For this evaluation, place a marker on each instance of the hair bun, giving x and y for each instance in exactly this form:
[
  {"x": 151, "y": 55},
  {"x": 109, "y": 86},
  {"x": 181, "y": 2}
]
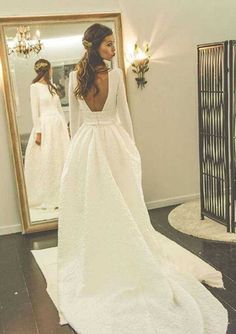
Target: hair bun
[{"x": 87, "y": 44}]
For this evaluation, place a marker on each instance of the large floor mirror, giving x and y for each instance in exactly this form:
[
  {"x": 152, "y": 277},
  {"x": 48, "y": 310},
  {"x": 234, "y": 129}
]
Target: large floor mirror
[{"x": 59, "y": 40}]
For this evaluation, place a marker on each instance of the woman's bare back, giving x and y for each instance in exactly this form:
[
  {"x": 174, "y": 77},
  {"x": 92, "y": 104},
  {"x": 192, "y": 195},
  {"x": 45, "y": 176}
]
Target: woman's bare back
[{"x": 96, "y": 103}]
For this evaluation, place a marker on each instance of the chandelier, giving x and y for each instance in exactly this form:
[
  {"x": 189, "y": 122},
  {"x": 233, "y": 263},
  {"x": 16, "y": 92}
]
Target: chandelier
[{"x": 24, "y": 45}]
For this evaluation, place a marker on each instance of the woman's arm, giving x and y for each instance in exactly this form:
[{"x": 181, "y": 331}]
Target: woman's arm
[
  {"x": 34, "y": 101},
  {"x": 74, "y": 109},
  {"x": 122, "y": 106}
]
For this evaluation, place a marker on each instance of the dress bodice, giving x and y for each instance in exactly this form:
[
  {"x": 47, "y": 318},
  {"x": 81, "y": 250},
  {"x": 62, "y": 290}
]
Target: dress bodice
[
  {"x": 110, "y": 100},
  {"x": 108, "y": 114},
  {"x": 115, "y": 108},
  {"x": 43, "y": 104}
]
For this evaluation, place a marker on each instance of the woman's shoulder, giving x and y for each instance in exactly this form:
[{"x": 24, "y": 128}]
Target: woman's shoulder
[
  {"x": 118, "y": 69},
  {"x": 73, "y": 78},
  {"x": 73, "y": 73},
  {"x": 34, "y": 87},
  {"x": 116, "y": 73},
  {"x": 115, "y": 69},
  {"x": 119, "y": 72}
]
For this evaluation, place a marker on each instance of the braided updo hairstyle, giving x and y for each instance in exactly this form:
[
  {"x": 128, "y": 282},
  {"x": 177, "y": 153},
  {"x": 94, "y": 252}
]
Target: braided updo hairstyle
[
  {"x": 42, "y": 67},
  {"x": 86, "y": 67}
]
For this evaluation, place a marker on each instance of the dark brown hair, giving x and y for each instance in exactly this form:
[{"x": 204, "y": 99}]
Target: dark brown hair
[
  {"x": 86, "y": 71},
  {"x": 42, "y": 67}
]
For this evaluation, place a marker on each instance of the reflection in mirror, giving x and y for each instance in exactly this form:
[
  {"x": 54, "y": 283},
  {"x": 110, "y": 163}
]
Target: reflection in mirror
[
  {"x": 40, "y": 93},
  {"x": 47, "y": 145}
]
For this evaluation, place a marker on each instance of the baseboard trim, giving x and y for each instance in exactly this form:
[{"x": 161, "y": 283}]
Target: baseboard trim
[
  {"x": 4, "y": 230},
  {"x": 171, "y": 201}
]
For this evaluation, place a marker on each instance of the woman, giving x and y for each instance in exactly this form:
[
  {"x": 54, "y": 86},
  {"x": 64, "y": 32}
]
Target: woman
[
  {"x": 116, "y": 274},
  {"x": 48, "y": 142}
]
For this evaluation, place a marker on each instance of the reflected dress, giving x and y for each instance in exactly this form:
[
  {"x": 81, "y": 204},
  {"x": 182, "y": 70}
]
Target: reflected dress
[
  {"x": 44, "y": 163},
  {"x": 115, "y": 273}
]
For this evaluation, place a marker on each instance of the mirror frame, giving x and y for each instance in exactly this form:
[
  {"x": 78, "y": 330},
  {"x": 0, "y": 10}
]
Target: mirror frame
[{"x": 10, "y": 107}]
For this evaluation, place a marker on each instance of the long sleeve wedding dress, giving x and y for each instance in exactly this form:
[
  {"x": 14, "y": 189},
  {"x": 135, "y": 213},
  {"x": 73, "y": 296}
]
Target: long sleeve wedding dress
[
  {"x": 116, "y": 274},
  {"x": 44, "y": 163}
]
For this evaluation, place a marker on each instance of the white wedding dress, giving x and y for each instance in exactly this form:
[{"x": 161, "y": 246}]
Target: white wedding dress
[
  {"x": 115, "y": 273},
  {"x": 44, "y": 163}
]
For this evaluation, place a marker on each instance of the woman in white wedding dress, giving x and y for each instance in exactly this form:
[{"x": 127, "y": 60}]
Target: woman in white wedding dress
[
  {"x": 116, "y": 274},
  {"x": 48, "y": 142}
]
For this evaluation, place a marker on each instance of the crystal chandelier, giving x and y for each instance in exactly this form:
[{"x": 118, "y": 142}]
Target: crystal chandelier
[{"x": 24, "y": 45}]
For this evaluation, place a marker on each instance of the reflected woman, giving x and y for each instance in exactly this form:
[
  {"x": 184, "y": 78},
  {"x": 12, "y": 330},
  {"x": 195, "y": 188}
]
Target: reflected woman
[{"x": 48, "y": 142}]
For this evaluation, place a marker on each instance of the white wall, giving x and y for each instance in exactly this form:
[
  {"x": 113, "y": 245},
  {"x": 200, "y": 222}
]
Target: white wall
[
  {"x": 164, "y": 113},
  {"x": 9, "y": 211}
]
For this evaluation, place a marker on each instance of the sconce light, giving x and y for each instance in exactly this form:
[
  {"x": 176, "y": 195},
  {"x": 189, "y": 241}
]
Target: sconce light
[{"x": 139, "y": 60}]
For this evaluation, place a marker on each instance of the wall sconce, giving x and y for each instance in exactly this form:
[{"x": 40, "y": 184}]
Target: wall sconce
[{"x": 139, "y": 60}]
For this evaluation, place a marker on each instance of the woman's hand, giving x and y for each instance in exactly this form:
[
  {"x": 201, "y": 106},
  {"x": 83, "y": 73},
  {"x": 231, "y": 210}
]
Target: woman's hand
[{"x": 38, "y": 138}]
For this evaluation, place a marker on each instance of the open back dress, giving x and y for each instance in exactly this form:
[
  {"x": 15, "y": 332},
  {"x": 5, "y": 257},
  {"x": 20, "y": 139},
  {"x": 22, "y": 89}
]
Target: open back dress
[{"x": 116, "y": 273}]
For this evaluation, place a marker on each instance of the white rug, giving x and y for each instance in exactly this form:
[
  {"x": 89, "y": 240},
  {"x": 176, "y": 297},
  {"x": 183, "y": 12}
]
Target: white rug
[{"x": 186, "y": 218}]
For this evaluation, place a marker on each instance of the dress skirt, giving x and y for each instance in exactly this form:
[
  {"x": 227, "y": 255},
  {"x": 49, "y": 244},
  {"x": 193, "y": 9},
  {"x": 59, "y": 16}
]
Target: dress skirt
[
  {"x": 116, "y": 274},
  {"x": 44, "y": 163}
]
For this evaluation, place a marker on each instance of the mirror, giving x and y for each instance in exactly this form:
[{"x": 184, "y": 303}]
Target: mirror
[{"x": 57, "y": 39}]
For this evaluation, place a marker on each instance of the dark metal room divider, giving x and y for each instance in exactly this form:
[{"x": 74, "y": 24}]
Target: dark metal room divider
[{"x": 216, "y": 117}]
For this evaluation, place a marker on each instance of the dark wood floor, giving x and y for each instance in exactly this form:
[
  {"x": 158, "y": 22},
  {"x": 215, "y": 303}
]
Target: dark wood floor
[{"x": 26, "y": 308}]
